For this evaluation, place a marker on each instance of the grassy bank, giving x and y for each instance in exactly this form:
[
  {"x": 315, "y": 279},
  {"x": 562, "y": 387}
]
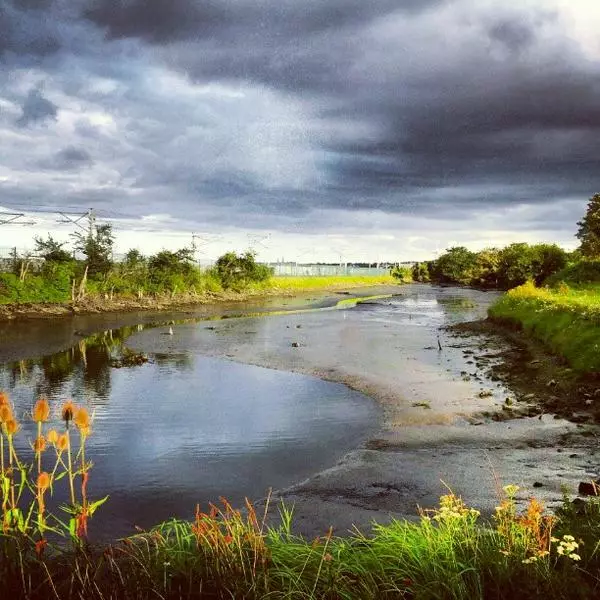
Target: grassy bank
[
  {"x": 24, "y": 305},
  {"x": 226, "y": 553},
  {"x": 299, "y": 284},
  {"x": 566, "y": 319}
]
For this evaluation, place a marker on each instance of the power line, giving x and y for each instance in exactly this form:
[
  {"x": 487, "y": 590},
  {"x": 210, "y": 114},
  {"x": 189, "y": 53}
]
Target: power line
[{"x": 7, "y": 218}]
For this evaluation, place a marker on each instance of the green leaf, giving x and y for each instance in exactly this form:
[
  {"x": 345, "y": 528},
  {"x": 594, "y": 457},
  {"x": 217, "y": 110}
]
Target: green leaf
[{"x": 94, "y": 505}]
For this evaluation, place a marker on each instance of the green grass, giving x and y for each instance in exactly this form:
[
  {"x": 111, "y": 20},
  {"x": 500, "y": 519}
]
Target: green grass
[
  {"x": 298, "y": 284},
  {"x": 38, "y": 289},
  {"x": 567, "y": 320},
  {"x": 226, "y": 553}
]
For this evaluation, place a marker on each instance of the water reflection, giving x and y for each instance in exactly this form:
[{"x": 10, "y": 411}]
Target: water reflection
[{"x": 181, "y": 429}]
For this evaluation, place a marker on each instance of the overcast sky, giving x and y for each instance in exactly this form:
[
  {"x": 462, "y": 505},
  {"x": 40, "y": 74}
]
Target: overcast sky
[{"x": 371, "y": 129}]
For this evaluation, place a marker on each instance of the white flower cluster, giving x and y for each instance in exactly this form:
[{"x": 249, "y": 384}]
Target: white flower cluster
[{"x": 567, "y": 546}]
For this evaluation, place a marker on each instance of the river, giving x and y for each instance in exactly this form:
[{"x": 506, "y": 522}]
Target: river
[{"x": 352, "y": 412}]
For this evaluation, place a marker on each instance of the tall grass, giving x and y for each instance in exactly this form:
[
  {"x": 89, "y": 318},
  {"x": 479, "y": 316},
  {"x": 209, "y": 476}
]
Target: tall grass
[
  {"x": 567, "y": 320},
  {"x": 294, "y": 284}
]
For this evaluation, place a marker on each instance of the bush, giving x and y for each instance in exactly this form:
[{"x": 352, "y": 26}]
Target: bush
[{"x": 235, "y": 271}]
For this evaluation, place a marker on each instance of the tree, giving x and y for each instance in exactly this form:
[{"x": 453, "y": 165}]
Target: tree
[
  {"x": 236, "y": 271},
  {"x": 547, "y": 260},
  {"x": 51, "y": 250},
  {"x": 486, "y": 267},
  {"x": 516, "y": 265},
  {"x": 166, "y": 264},
  {"x": 456, "y": 265},
  {"x": 589, "y": 229},
  {"x": 97, "y": 247}
]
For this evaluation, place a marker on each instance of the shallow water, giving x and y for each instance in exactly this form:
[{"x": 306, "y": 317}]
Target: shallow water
[{"x": 185, "y": 429}]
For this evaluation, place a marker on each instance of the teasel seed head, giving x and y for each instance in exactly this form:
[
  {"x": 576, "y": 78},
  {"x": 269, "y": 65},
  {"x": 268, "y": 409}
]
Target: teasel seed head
[{"x": 41, "y": 411}]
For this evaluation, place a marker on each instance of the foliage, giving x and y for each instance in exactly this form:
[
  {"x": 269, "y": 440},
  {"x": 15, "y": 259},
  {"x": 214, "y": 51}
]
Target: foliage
[
  {"x": 505, "y": 268},
  {"x": 404, "y": 274},
  {"x": 487, "y": 266},
  {"x": 96, "y": 246},
  {"x": 236, "y": 271},
  {"x": 567, "y": 320},
  {"x": 420, "y": 272},
  {"x": 52, "y": 285},
  {"x": 27, "y": 488},
  {"x": 227, "y": 553},
  {"x": 577, "y": 274},
  {"x": 589, "y": 229},
  {"x": 298, "y": 284},
  {"x": 456, "y": 265},
  {"x": 51, "y": 250}
]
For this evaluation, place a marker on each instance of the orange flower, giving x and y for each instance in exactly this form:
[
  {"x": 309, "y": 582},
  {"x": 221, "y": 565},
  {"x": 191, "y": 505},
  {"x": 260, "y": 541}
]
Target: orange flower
[
  {"x": 52, "y": 436},
  {"x": 86, "y": 431},
  {"x": 63, "y": 442},
  {"x": 40, "y": 444},
  {"x": 43, "y": 481},
  {"x": 11, "y": 427},
  {"x": 68, "y": 410},
  {"x": 3, "y": 398},
  {"x": 5, "y": 413},
  {"x": 41, "y": 411},
  {"x": 82, "y": 419}
]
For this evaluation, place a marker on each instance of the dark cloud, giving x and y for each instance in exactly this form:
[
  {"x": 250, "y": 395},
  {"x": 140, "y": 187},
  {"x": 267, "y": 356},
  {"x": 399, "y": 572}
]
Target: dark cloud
[
  {"x": 70, "y": 158},
  {"x": 36, "y": 109},
  {"x": 160, "y": 22},
  {"x": 421, "y": 107},
  {"x": 25, "y": 29}
]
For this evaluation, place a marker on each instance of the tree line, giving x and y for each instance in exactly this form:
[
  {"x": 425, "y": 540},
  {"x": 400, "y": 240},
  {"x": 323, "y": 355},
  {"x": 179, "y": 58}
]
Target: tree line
[
  {"x": 61, "y": 276},
  {"x": 517, "y": 263}
]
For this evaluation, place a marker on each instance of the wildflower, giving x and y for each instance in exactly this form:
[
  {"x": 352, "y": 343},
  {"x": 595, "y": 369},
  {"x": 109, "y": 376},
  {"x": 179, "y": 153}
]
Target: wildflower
[
  {"x": 63, "y": 442},
  {"x": 82, "y": 419},
  {"x": 67, "y": 411},
  {"x": 511, "y": 490},
  {"x": 3, "y": 398},
  {"x": 11, "y": 427},
  {"x": 40, "y": 444},
  {"x": 41, "y": 411},
  {"x": 52, "y": 436},
  {"x": 43, "y": 481},
  {"x": 574, "y": 556},
  {"x": 39, "y": 547},
  {"x": 86, "y": 431},
  {"x": 5, "y": 413}
]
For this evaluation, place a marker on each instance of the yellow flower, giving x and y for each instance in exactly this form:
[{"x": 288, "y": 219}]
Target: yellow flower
[
  {"x": 3, "y": 398},
  {"x": 5, "y": 413},
  {"x": 11, "y": 427},
  {"x": 41, "y": 411},
  {"x": 82, "y": 419},
  {"x": 63, "y": 442},
  {"x": 40, "y": 444},
  {"x": 52, "y": 436},
  {"x": 43, "y": 481}
]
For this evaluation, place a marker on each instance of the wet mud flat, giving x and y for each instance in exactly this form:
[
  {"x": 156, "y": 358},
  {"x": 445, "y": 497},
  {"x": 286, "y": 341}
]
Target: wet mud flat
[{"x": 452, "y": 417}]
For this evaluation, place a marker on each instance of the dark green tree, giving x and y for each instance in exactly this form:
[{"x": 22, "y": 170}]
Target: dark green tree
[
  {"x": 52, "y": 250},
  {"x": 589, "y": 229},
  {"x": 96, "y": 246},
  {"x": 236, "y": 271},
  {"x": 547, "y": 260},
  {"x": 456, "y": 265}
]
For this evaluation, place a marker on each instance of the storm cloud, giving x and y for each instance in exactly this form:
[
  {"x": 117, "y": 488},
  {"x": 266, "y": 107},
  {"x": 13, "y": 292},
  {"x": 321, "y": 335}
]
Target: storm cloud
[{"x": 303, "y": 116}]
